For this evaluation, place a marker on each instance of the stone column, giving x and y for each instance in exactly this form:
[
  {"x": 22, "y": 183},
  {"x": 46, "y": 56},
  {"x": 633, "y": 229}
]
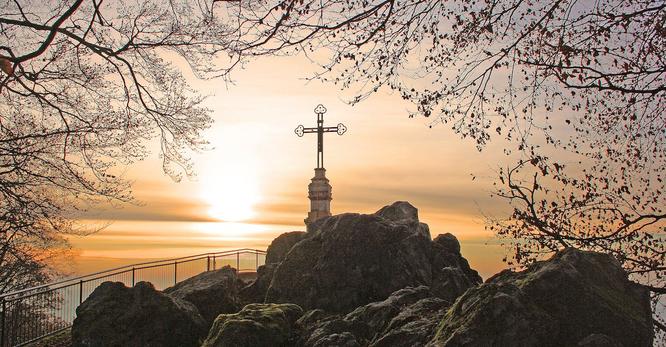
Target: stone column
[{"x": 319, "y": 192}]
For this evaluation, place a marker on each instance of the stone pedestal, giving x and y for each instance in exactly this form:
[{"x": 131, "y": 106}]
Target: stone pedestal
[{"x": 319, "y": 192}]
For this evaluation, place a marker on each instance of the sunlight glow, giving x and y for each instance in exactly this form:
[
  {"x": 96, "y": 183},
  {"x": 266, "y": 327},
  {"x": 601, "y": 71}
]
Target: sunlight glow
[
  {"x": 229, "y": 231},
  {"x": 231, "y": 193}
]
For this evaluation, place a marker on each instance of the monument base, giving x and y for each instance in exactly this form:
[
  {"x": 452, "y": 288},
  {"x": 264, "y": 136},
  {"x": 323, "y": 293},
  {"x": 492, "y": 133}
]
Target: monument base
[{"x": 319, "y": 193}]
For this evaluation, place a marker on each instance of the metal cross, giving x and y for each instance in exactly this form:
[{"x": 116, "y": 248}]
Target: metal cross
[{"x": 320, "y": 130}]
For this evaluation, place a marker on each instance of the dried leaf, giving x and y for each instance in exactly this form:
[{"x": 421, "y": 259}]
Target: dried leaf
[{"x": 6, "y": 66}]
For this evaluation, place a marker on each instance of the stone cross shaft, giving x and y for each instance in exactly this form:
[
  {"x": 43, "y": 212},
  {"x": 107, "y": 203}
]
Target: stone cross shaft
[
  {"x": 320, "y": 130},
  {"x": 319, "y": 190}
]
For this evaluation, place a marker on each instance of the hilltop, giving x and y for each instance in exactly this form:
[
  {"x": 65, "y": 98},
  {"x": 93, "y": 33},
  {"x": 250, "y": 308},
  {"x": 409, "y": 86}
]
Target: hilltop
[{"x": 376, "y": 280}]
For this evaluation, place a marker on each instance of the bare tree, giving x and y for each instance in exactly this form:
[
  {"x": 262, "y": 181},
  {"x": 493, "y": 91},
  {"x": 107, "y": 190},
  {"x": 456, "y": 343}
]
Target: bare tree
[
  {"x": 85, "y": 86},
  {"x": 577, "y": 87}
]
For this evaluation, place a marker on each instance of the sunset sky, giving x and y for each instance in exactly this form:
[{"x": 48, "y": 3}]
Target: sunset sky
[{"x": 252, "y": 184}]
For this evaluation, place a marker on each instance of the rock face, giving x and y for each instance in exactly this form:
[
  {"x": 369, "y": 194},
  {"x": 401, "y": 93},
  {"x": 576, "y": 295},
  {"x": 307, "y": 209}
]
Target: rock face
[
  {"x": 281, "y": 245},
  {"x": 404, "y": 213},
  {"x": 574, "y": 298},
  {"x": 598, "y": 340},
  {"x": 115, "y": 315},
  {"x": 256, "y": 325},
  {"x": 350, "y": 260},
  {"x": 256, "y": 291},
  {"x": 212, "y": 292},
  {"x": 452, "y": 274},
  {"x": 406, "y": 318},
  {"x": 277, "y": 250}
]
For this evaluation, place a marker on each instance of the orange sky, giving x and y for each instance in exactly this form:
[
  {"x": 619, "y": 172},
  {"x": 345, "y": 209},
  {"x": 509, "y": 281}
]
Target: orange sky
[{"x": 258, "y": 170}]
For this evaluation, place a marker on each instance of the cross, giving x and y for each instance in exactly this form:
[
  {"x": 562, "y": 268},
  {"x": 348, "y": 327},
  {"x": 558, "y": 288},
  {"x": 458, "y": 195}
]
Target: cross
[{"x": 320, "y": 130}]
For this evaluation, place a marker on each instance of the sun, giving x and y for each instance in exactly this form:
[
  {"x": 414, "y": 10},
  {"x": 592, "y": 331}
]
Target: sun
[{"x": 231, "y": 194}]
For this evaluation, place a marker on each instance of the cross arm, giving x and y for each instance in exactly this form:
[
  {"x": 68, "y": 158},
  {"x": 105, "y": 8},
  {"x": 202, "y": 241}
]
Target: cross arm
[
  {"x": 324, "y": 129},
  {"x": 340, "y": 129}
]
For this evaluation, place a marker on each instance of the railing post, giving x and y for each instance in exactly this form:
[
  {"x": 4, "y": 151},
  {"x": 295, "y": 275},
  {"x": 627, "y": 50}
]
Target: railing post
[
  {"x": 237, "y": 261},
  {"x": 175, "y": 272},
  {"x": 214, "y": 262},
  {"x": 208, "y": 263},
  {"x": 256, "y": 260},
  {"x": 80, "y": 292},
  {"x": 132, "y": 276},
  {"x": 2, "y": 322}
]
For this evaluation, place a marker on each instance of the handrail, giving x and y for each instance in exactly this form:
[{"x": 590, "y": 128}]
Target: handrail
[
  {"x": 30, "y": 314},
  {"x": 128, "y": 267}
]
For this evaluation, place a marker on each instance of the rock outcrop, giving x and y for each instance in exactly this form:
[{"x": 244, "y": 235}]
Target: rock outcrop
[
  {"x": 350, "y": 260},
  {"x": 281, "y": 245},
  {"x": 406, "y": 318},
  {"x": 256, "y": 291},
  {"x": 115, "y": 315},
  {"x": 598, "y": 340},
  {"x": 574, "y": 298},
  {"x": 256, "y": 325},
  {"x": 452, "y": 274},
  {"x": 212, "y": 292},
  {"x": 404, "y": 213},
  {"x": 414, "y": 324},
  {"x": 277, "y": 250},
  {"x": 377, "y": 280}
]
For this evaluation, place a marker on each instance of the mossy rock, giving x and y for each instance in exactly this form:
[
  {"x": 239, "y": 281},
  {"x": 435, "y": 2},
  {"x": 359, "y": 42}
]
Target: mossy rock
[
  {"x": 281, "y": 245},
  {"x": 211, "y": 292},
  {"x": 350, "y": 260},
  {"x": 115, "y": 315},
  {"x": 60, "y": 339},
  {"x": 558, "y": 302},
  {"x": 255, "y": 325}
]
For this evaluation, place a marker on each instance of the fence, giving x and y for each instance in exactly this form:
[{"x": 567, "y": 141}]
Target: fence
[{"x": 32, "y": 314}]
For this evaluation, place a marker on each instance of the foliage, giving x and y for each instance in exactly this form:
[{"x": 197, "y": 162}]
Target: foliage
[{"x": 85, "y": 87}]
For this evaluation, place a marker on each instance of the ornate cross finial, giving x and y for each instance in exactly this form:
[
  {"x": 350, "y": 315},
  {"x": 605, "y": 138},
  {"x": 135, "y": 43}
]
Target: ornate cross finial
[
  {"x": 320, "y": 109},
  {"x": 320, "y": 130}
]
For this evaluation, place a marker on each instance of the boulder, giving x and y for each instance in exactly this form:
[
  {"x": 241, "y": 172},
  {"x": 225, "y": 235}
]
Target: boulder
[
  {"x": 404, "y": 213},
  {"x": 350, "y": 260},
  {"x": 452, "y": 275},
  {"x": 333, "y": 330},
  {"x": 576, "y": 297},
  {"x": 377, "y": 315},
  {"x": 406, "y": 318},
  {"x": 256, "y": 325},
  {"x": 598, "y": 340},
  {"x": 255, "y": 292},
  {"x": 414, "y": 325},
  {"x": 447, "y": 243},
  {"x": 399, "y": 211},
  {"x": 281, "y": 245},
  {"x": 115, "y": 315},
  {"x": 212, "y": 292}
]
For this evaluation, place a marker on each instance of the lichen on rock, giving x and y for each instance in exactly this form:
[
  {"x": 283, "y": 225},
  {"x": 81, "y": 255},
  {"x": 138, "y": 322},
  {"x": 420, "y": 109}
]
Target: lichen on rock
[
  {"x": 350, "y": 260},
  {"x": 256, "y": 325},
  {"x": 281, "y": 245},
  {"x": 408, "y": 317},
  {"x": 115, "y": 315},
  {"x": 558, "y": 302},
  {"x": 212, "y": 292}
]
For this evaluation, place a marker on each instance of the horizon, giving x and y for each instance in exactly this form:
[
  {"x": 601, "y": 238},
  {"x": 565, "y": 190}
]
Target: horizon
[{"x": 256, "y": 173}]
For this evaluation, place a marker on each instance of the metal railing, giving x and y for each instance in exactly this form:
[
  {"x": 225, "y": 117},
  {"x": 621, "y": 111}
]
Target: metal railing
[{"x": 32, "y": 314}]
